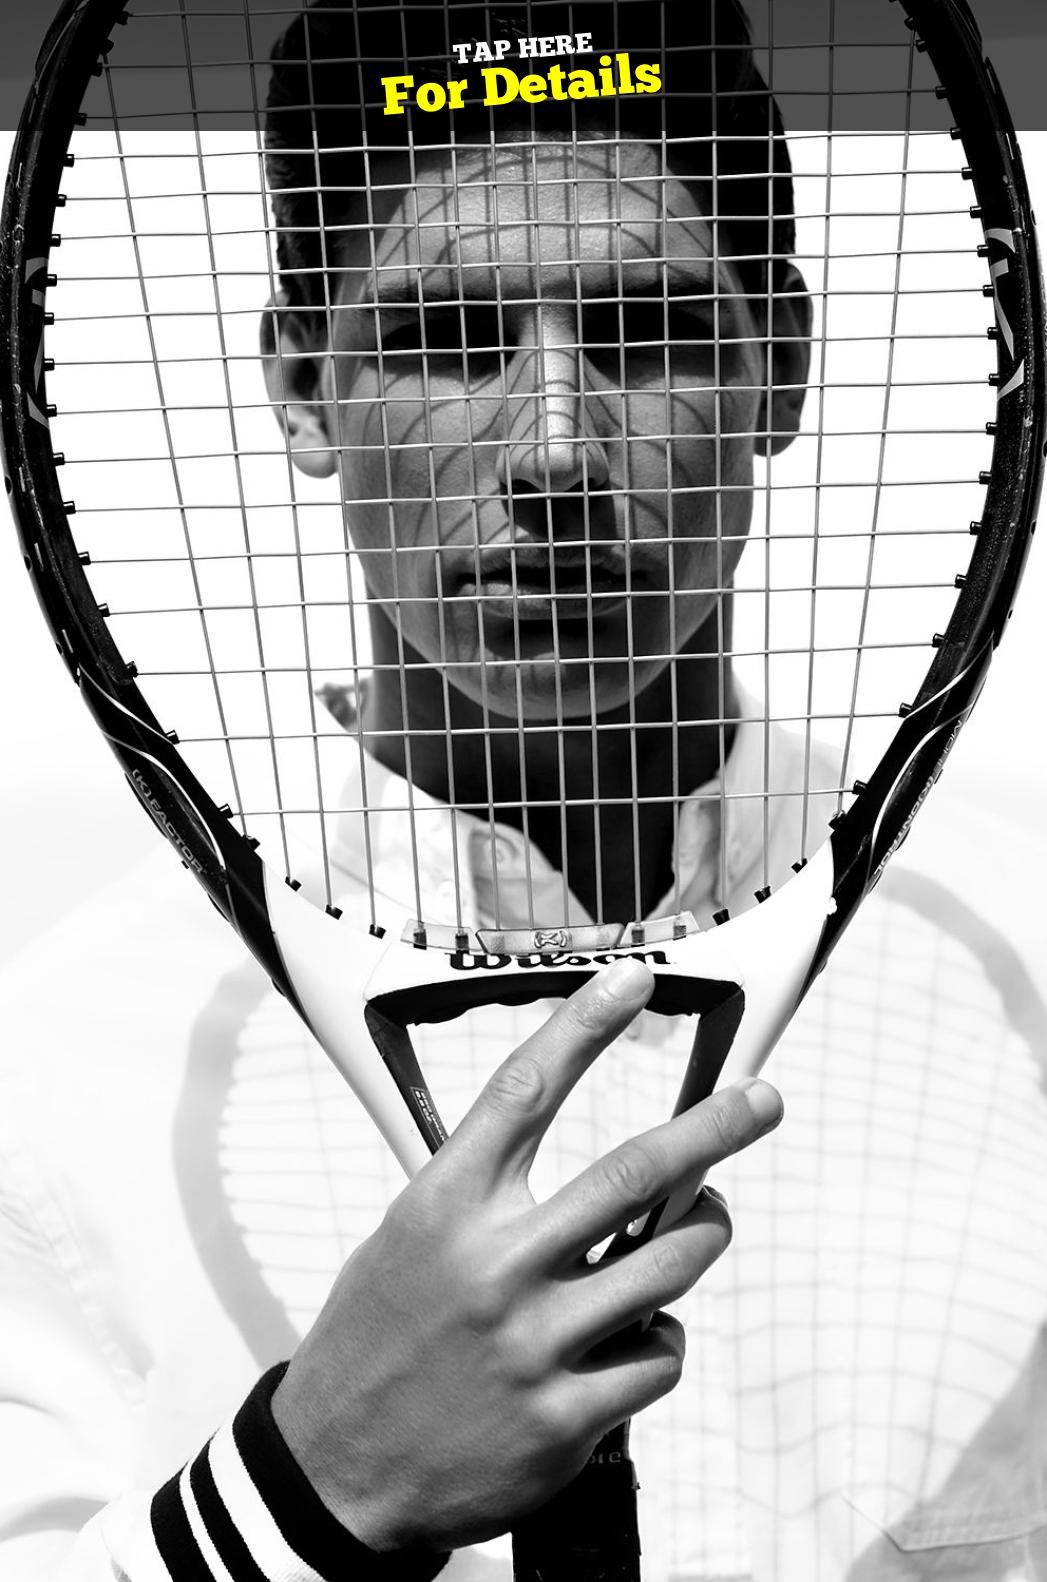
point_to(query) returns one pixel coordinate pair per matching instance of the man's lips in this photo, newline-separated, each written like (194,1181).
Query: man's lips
(532,582)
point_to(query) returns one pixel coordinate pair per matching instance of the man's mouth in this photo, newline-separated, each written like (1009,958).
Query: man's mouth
(535,583)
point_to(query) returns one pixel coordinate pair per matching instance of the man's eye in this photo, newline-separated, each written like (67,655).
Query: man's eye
(644,325)
(443,330)
(400,331)
(645,328)
(653,325)
(463,332)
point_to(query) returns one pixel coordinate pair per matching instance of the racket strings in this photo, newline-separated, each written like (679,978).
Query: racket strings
(888,387)
(247,587)
(723,682)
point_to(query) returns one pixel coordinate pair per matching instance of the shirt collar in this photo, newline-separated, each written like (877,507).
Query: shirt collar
(738,833)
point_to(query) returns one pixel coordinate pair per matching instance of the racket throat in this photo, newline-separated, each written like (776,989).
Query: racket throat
(329,965)
(393,1043)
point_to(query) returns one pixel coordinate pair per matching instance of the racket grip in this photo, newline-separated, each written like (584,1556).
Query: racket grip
(588,1532)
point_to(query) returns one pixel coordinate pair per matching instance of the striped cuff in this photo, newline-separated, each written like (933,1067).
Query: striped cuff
(244,1511)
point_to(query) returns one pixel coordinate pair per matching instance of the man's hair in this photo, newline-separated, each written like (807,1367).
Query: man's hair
(715,113)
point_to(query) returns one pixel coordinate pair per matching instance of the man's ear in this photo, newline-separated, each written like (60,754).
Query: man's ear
(297,377)
(789,350)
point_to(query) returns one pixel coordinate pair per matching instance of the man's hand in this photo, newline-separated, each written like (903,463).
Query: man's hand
(450,1384)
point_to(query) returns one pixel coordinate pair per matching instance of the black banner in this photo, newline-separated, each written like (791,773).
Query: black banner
(229,44)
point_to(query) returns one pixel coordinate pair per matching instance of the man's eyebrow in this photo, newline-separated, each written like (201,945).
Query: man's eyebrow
(672,278)
(404,290)
(700,281)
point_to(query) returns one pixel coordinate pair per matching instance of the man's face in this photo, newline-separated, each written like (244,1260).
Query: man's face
(545,430)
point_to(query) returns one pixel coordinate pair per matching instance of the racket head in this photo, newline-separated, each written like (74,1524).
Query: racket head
(387,961)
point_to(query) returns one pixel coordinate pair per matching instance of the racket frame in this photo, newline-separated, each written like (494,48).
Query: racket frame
(402,975)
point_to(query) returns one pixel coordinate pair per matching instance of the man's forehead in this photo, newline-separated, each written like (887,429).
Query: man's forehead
(524,209)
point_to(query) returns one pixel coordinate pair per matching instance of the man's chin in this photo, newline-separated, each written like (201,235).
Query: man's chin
(548,689)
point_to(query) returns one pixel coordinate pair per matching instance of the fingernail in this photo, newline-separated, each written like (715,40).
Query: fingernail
(764,1101)
(626,978)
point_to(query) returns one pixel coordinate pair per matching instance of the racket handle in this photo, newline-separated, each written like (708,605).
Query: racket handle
(588,1532)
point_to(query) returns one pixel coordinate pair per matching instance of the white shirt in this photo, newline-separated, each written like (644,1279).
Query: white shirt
(863,1397)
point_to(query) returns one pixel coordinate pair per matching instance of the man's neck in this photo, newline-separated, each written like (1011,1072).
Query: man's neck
(604,801)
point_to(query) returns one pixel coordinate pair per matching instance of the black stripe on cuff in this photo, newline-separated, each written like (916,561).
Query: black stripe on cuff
(308,1527)
(235,1555)
(173,1535)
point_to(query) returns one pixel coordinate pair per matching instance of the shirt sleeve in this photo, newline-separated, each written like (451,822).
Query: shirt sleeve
(70,1407)
(241,1511)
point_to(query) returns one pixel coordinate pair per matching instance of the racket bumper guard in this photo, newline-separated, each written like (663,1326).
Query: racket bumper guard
(587,938)
(551,941)
(439,936)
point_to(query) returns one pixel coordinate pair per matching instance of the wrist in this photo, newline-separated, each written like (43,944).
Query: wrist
(375,1549)
(246,1503)
(352,1483)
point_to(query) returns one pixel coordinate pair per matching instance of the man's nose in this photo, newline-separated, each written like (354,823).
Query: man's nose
(551,463)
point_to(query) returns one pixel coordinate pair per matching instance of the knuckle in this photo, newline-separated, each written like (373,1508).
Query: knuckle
(671,1371)
(667,1345)
(407,1222)
(518,1088)
(673,1361)
(553,1420)
(674,1271)
(528,1361)
(632,1175)
(730,1122)
(716,1212)
(486,1298)
(726,1228)
(590,1011)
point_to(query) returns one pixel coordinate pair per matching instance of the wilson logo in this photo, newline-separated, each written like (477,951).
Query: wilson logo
(468,961)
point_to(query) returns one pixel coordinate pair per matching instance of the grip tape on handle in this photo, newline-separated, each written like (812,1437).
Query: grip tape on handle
(588,1532)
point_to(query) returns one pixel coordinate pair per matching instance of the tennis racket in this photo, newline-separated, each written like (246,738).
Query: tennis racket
(659,438)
